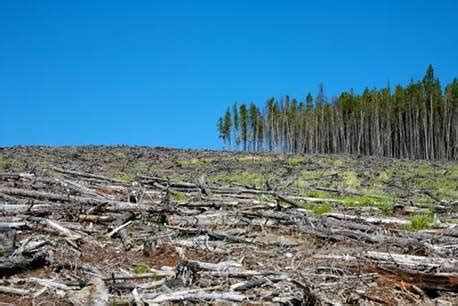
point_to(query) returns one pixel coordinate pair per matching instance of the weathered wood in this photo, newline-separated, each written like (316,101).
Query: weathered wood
(62,230)
(88,175)
(13,265)
(42,195)
(15,291)
(187,295)
(121,223)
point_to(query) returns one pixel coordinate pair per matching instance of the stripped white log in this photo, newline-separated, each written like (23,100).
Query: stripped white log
(224,268)
(449,264)
(220,218)
(49,283)
(316,200)
(14,291)
(62,230)
(196,296)
(18,208)
(137,298)
(117,229)
(374,220)
(412,260)
(29,245)
(12,225)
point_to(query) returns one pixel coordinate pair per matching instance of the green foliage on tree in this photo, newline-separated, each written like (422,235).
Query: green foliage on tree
(417,121)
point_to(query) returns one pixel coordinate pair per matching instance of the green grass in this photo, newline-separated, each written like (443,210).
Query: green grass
(125,177)
(385,207)
(141,268)
(385,176)
(120,155)
(141,167)
(245,178)
(334,162)
(16,165)
(179,196)
(3,162)
(453,170)
(359,201)
(193,162)
(264,198)
(251,158)
(445,187)
(317,194)
(351,179)
(420,222)
(320,209)
(295,160)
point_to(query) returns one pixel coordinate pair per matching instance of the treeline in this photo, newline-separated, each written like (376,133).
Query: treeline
(418,121)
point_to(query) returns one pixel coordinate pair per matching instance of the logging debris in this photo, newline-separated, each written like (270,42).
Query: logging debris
(73,234)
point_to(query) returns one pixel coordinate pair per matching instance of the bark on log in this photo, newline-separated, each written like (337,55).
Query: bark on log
(14,265)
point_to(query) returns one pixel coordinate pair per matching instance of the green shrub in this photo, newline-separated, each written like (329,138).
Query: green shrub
(141,268)
(420,222)
(126,177)
(2,162)
(179,196)
(320,209)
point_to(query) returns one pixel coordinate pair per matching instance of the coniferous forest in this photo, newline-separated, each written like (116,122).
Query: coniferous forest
(417,121)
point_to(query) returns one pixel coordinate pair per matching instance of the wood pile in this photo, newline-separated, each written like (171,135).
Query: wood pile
(87,239)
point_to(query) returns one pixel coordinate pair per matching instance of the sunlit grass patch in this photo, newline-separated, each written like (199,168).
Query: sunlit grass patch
(3,162)
(120,155)
(385,207)
(295,160)
(125,177)
(420,222)
(245,178)
(317,194)
(141,167)
(264,198)
(445,187)
(453,169)
(385,175)
(16,165)
(423,169)
(363,200)
(334,162)
(179,196)
(141,268)
(320,209)
(193,162)
(351,179)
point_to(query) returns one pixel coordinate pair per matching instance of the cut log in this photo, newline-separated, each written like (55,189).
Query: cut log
(121,223)
(13,265)
(196,296)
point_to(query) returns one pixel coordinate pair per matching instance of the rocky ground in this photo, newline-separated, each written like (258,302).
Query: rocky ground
(132,225)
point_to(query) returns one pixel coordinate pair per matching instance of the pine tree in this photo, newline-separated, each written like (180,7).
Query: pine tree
(418,121)
(244,125)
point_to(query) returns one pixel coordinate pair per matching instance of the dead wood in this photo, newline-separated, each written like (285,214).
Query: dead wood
(202,232)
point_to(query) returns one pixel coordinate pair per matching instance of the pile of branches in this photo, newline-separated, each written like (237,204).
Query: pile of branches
(86,239)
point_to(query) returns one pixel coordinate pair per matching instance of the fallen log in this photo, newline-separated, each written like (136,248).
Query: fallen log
(425,281)
(15,291)
(411,261)
(192,295)
(43,195)
(88,175)
(17,264)
(120,227)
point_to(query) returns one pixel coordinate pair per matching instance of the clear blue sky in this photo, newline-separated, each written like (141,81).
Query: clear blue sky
(151,73)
